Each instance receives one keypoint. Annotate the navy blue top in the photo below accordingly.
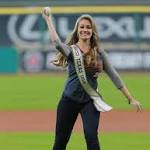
(73, 88)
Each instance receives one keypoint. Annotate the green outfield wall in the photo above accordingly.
(9, 60)
(124, 32)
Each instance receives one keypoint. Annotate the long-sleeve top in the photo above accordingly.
(73, 88)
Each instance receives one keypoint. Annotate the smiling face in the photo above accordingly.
(84, 30)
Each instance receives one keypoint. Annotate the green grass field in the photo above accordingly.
(30, 92)
(44, 141)
(24, 92)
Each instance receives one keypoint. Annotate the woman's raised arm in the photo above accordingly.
(63, 48)
(46, 13)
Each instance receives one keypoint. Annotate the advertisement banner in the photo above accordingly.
(29, 30)
(32, 61)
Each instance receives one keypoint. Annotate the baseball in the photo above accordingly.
(47, 11)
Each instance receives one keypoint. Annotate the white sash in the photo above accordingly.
(80, 70)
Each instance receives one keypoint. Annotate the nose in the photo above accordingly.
(85, 29)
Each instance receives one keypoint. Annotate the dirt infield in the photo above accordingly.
(44, 121)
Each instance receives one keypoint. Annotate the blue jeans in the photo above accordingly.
(67, 112)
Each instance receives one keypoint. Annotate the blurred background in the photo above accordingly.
(31, 86)
(25, 42)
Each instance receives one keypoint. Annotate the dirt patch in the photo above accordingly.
(44, 121)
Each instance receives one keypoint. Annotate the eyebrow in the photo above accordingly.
(86, 25)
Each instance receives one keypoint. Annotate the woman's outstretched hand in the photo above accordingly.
(135, 104)
(131, 100)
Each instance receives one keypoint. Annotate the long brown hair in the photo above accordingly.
(73, 39)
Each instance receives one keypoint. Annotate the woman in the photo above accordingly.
(75, 99)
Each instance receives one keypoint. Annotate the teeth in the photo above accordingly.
(84, 33)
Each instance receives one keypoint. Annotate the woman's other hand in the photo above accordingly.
(135, 104)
